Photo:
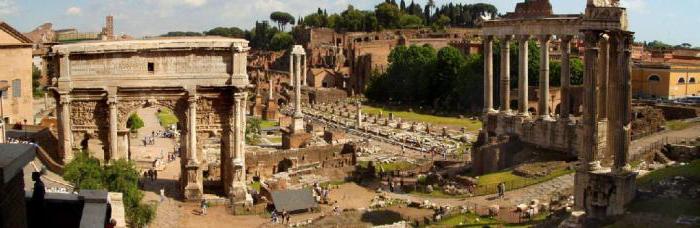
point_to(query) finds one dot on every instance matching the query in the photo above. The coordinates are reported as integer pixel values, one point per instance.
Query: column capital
(240, 96)
(524, 38)
(544, 38)
(591, 39)
(112, 100)
(64, 99)
(566, 38)
(487, 38)
(192, 99)
(507, 37)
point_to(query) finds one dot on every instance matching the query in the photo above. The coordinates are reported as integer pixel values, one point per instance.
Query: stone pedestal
(271, 111)
(606, 193)
(194, 188)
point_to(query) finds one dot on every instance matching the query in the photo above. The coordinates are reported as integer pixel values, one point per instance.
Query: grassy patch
(166, 118)
(392, 166)
(669, 207)
(332, 183)
(471, 125)
(691, 170)
(488, 183)
(676, 125)
(275, 139)
(474, 220)
(268, 124)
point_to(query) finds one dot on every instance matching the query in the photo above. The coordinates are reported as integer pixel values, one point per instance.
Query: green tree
(388, 15)
(441, 22)
(282, 19)
(180, 33)
(447, 69)
(410, 21)
(134, 123)
(576, 69)
(281, 41)
(234, 32)
(253, 131)
(84, 172)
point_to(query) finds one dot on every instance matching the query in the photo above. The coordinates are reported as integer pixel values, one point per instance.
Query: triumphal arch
(203, 80)
(601, 136)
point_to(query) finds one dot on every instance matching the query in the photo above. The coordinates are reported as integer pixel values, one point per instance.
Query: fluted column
(192, 128)
(297, 86)
(523, 99)
(604, 58)
(565, 47)
(543, 105)
(505, 74)
(64, 127)
(620, 93)
(488, 74)
(590, 126)
(303, 73)
(113, 136)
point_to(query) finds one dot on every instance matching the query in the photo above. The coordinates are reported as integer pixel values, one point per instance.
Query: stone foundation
(605, 193)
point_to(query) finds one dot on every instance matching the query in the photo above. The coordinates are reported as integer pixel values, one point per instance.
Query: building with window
(665, 80)
(16, 73)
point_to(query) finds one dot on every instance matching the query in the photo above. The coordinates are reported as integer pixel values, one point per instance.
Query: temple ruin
(601, 136)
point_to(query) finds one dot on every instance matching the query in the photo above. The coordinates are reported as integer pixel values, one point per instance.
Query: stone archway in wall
(131, 105)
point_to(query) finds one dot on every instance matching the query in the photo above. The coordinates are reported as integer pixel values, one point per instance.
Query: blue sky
(672, 21)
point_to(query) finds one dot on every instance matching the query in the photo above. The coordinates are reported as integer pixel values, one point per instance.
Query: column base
(546, 118)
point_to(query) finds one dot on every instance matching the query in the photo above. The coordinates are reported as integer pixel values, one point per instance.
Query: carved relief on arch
(213, 111)
(89, 113)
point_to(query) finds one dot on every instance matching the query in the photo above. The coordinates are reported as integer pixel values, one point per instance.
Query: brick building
(16, 72)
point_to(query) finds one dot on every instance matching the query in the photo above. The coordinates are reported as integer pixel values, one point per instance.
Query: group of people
(280, 217)
(148, 140)
(151, 174)
(321, 194)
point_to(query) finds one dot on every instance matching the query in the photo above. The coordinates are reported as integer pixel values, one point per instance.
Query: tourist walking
(162, 194)
(203, 206)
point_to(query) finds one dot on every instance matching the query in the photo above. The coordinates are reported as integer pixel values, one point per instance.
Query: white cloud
(7, 7)
(73, 11)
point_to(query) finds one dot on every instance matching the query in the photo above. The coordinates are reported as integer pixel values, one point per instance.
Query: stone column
(522, 75)
(192, 128)
(565, 48)
(359, 115)
(590, 126)
(64, 127)
(237, 190)
(505, 74)
(543, 109)
(303, 72)
(620, 97)
(603, 72)
(297, 86)
(488, 74)
(113, 131)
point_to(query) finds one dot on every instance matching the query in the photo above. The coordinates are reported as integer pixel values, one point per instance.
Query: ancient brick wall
(266, 163)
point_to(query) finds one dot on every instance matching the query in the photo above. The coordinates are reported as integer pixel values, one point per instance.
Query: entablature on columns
(538, 26)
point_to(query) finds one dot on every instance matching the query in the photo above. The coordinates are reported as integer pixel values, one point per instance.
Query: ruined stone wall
(266, 163)
(678, 112)
(327, 95)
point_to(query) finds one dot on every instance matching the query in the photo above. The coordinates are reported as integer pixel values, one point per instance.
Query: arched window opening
(654, 78)
(681, 81)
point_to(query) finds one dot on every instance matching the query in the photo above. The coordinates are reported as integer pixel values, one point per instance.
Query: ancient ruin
(601, 135)
(98, 85)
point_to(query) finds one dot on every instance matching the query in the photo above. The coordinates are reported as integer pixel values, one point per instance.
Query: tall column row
(544, 112)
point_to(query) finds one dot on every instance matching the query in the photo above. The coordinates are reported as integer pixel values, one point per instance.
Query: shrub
(134, 123)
